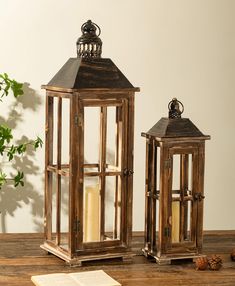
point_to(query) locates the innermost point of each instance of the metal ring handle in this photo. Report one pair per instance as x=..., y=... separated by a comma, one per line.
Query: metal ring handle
x=176, y=100
x=98, y=29
x=94, y=25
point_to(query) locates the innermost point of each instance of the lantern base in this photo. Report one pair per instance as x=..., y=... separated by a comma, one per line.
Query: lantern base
x=77, y=260
x=167, y=258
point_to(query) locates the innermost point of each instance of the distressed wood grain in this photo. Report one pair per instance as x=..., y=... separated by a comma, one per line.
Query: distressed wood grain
x=21, y=257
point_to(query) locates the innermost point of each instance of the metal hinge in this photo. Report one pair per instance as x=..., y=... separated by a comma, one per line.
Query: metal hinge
x=78, y=120
x=167, y=163
x=198, y=197
x=76, y=226
x=167, y=231
x=127, y=172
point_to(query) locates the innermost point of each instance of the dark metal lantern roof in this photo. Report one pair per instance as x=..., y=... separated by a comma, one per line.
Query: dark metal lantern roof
x=89, y=71
x=171, y=128
x=80, y=73
x=174, y=127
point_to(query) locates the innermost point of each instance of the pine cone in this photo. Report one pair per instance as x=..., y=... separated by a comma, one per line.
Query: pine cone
x=201, y=263
x=233, y=254
x=215, y=262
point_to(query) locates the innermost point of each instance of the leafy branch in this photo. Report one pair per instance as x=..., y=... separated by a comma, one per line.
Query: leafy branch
x=18, y=179
x=7, y=84
x=6, y=147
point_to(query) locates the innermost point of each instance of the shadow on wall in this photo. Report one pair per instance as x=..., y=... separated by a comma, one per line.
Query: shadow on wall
x=12, y=198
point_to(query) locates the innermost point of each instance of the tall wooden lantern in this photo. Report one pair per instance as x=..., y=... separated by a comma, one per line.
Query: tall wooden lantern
x=174, y=188
x=89, y=156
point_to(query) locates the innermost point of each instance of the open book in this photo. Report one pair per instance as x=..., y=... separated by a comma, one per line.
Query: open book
x=87, y=278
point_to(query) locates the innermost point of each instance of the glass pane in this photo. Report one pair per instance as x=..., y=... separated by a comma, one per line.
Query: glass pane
x=175, y=218
x=188, y=201
x=53, y=214
x=157, y=155
x=65, y=132
x=176, y=173
x=91, y=137
x=102, y=183
x=157, y=218
x=175, y=221
x=190, y=172
x=181, y=198
x=187, y=227
x=111, y=138
x=112, y=207
x=64, y=211
x=60, y=201
x=55, y=129
x=91, y=205
x=158, y=168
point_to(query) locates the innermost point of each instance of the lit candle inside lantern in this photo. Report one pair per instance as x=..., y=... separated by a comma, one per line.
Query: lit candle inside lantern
x=175, y=221
x=92, y=214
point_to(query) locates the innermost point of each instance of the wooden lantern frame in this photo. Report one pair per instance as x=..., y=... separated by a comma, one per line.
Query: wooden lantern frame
x=77, y=250
x=88, y=81
x=168, y=139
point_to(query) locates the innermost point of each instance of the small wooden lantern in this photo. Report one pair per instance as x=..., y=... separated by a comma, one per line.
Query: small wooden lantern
x=174, y=188
x=89, y=162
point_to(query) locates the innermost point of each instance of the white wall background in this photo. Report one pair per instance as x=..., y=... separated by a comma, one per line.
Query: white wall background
x=169, y=48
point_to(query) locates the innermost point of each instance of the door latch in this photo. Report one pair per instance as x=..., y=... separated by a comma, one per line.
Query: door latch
x=127, y=172
x=198, y=197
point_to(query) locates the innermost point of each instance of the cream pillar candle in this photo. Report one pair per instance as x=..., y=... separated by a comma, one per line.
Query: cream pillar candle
x=175, y=221
x=92, y=214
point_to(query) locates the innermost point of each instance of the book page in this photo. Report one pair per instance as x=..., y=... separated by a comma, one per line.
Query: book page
x=94, y=278
x=57, y=279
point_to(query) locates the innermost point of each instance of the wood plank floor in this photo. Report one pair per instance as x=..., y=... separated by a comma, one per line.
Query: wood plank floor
x=21, y=257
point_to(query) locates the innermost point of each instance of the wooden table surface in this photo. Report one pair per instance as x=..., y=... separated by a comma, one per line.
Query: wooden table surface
x=21, y=257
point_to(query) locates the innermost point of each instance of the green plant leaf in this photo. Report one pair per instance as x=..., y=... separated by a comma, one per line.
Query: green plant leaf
x=21, y=148
x=16, y=88
x=38, y=143
x=11, y=152
x=5, y=134
x=8, y=84
x=19, y=179
x=2, y=149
